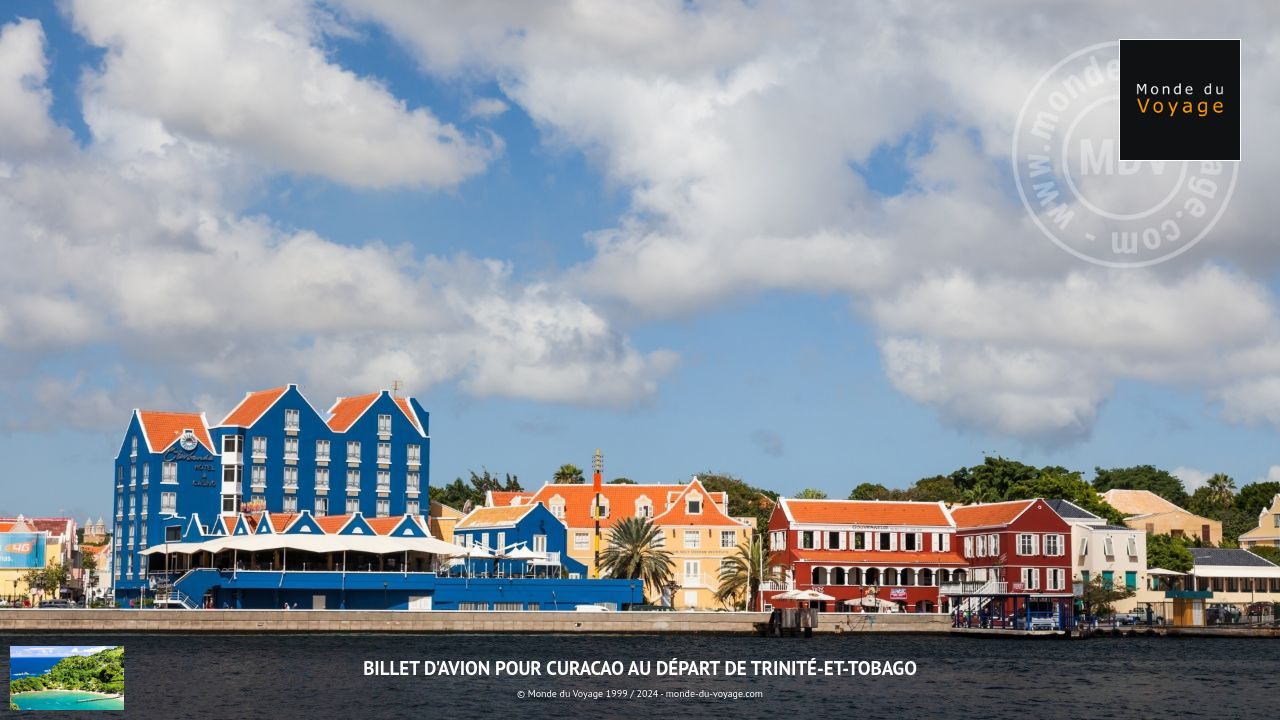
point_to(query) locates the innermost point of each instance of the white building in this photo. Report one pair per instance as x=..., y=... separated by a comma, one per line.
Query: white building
x=1116, y=553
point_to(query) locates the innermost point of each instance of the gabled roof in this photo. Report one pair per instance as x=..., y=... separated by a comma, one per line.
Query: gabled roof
x=677, y=513
x=1138, y=502
x=347, y=410
x=56, y=527
x=304, y=524
x=357, y=524
x=408, y=526
x=500, y=498
x=865, y=512
x=403, y=404
x=487, y=517
x=162, y=429
x=1228, y=556
x=578, y=499
x=989, y=514
x=1068, y=510
x=252, y=407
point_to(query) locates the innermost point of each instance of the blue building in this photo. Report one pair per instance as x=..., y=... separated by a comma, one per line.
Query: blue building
x=279, y=501
x=523, y=540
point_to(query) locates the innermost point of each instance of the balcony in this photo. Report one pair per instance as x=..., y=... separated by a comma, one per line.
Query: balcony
x=973, y=587
x=770, y=585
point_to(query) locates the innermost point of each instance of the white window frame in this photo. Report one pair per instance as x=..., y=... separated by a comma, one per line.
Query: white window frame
x=1027, y=545
x=322, y=506
x=411, y=507
x=322, y=450
x=259, y=446
x=382, y=508
x=384, y=424
x=696, y=575
x=581, y=541
x=413, y=481
x=968, y=546
x=353, y=475
x=168, y=503
x=290, y=477
x=353, y=506
x=169, y=473
x=353, y=451
x=728, y=539
x=291, y=503
x=291, y=419
x=322, y=479
x=414, y=454
x=291, y=448
x=384, y=452
x=384, y=481
x=695, y=536
x=1030, y=578
x=1053, y=545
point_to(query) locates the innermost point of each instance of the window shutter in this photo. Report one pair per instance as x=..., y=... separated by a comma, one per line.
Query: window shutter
x=1035, y=544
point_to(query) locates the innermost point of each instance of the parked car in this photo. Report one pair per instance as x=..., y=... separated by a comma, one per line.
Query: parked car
x=56, y=605
x=590, y=608
x=651, y=608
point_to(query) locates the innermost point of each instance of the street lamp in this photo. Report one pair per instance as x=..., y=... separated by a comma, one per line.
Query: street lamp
x=384, y=595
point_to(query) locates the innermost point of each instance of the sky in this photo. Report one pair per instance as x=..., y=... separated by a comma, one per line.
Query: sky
x=778, y=240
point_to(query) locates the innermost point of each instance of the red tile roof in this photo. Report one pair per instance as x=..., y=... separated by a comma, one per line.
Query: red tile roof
x=404, y=406
x=870, y=557
x=989, y=514
x=621, y=499
x=503, y=498
x=347, y=410
x=332, y=523
x=162, y=429
x=677, y=512
x=252, y=407
x=865, y=512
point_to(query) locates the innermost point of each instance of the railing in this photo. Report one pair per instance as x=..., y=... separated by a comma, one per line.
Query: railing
x=777, y=585
x=973, y=587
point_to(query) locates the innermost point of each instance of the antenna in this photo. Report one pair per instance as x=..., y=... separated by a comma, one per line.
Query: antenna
x=395, y=386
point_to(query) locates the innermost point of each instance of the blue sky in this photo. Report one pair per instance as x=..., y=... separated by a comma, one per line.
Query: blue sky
x=687, y=274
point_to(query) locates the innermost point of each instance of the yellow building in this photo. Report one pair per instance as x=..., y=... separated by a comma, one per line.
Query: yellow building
x=1267, y=534
x=441, y=519
x=1147, y=511
x=13, y=584
x=695, y=523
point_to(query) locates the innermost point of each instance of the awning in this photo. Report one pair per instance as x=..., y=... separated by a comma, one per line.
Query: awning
x=1162, y=571
x=375, y=544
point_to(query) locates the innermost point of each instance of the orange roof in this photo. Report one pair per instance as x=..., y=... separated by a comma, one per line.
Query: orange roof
x=347, y=410
x=677, y=512
x=162, y=429
x=403, y=404
x=252, y=407
x=865, y=512
x=5, y=526
x=281, y=520
x=621, y=499
x=989, y=514
x=489, y=516
x=501, y=498
x=384, y=525
x=868, y=557
x=332, y=523
x=94, y=549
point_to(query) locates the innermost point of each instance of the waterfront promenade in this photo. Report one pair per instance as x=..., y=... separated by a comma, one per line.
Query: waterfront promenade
x=390, y=621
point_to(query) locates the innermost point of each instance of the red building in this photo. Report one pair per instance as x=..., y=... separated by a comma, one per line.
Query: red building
x=1018, y=557
x=869, y=555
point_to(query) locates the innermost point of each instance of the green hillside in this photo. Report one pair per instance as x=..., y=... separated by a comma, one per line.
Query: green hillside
x=101, y=672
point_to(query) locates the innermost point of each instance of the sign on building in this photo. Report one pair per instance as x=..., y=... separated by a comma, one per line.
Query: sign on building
x=21, y=550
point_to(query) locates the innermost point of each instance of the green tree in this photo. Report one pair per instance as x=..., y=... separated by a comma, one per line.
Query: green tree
x=743, y=571
x=1056, y=483
x=460, y=492
x=811, y=494
x=636, y=552
x=1208, y=502
x=1168, y=552
x=1099, y=596
x=622, y=481
x=1256, y=497
x=871, y=491
x=1222, y=487
x=1267, y=552
x=569, y=474
x=744, y=500
x=938, y=488
x=1142, y=477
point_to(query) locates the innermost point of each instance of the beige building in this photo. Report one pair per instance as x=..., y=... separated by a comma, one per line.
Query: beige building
x=1116, y=553
x=1150, y=513
x=441, y=519
x=695, y=523
x=1225, y=586
x=1267, y=534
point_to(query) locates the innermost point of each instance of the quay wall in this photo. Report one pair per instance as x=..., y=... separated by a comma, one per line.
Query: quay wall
x=392, y=621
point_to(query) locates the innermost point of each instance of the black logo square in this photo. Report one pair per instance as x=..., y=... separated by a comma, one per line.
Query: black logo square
x=1179, y=99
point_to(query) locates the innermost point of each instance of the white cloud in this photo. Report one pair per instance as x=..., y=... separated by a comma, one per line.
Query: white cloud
x=253, y=76
x=486, y=108
x=1192, y=479
x=24, y=101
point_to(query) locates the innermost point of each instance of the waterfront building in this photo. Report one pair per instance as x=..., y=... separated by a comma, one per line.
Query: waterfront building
x=1267, y=534
x=1152, y=514
x=97, y=585
x=34, y=543
x=1116, y=553
x=521, y=540
x=442, y=519
x=1224, y=586
x=868, y=555
x=696, y=527
x=268, y=560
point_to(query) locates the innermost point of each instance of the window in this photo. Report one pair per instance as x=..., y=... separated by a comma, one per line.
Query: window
x=259, y=446
x=291, y=448
x=169, y=473
x=322, y=479
x=353, y=480
x=259, y=476
x=968, y=546
x=1053, y=545
x=692, y=571
x=911, y=541
x=119, y=506
x=581, y=541
x=692, y=539
x=146, y=475
x=384, y=452
x=728, y=539
x=1108, y=579
x=133, y=474
x=859, y=541
x=232, y=443
x=886, y=541
x=228, y=503
x=644, y=507
x=353, y=506
x=168, y=503
x=1131, y=579
x=806, y=539
x=144, y=506
x=778, y=540
x=411, y=507
x=946, y=542
x=290, y=419
x=1027, y=544
x=415, y=454
x=1084, y=545
x=291, y=503
x=353, y=451
x=693, y=505
x=833, y=540
x=383, y=508
x=539, y=543
x=981, y=546
x=1030, y=578
x=557, y=509
x=993, y=545
x=384, y=424
x=603, y=509
x=322, y=450
x=1108, y=547
x=322, y=506
x=119, y=475
x=1131, y=547
x=413, y=481
x=290, y=477
x=133, y=447
x=1057, y=579
x=384, y=481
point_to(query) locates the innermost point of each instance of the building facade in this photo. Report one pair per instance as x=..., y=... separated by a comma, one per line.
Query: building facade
x=696, y=528
x=865, y=553
x=36, y=543
x=1267, y=534
x=523, y=540
x=369, y=454
x=1020, y=543
x=1152, y=514
x=1115, y=553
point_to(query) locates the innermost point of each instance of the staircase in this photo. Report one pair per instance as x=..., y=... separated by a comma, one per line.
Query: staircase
x=173, y=598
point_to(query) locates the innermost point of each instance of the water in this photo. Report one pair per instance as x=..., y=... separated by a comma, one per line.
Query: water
x=67, y=700
x=23, y=666
x=321, y=676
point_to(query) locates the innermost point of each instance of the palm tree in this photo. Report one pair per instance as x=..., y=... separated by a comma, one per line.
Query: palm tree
x=980, y=493
x=569, y=474
x=1222, y=487
x=635, y=553
x=744, y=570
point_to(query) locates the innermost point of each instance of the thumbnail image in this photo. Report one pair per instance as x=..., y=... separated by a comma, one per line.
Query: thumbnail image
x=66, y=677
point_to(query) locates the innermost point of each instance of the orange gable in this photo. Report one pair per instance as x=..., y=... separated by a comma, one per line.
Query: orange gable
x=162, y=429
x=346, y=411
x=989, y=514
x=252, y=407
x=677, y=513
x=504, y=498
x=332, y=523
x=866, y=512
x=622, y=503
x=403, y=404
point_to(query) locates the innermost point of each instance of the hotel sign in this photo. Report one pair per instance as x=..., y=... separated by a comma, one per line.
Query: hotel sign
x=897, y=593
x=21, y=550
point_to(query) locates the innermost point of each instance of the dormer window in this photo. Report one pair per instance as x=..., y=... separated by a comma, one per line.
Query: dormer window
x=557, y=506
x=602, y=510
x=644, y=507
x=693, y=505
